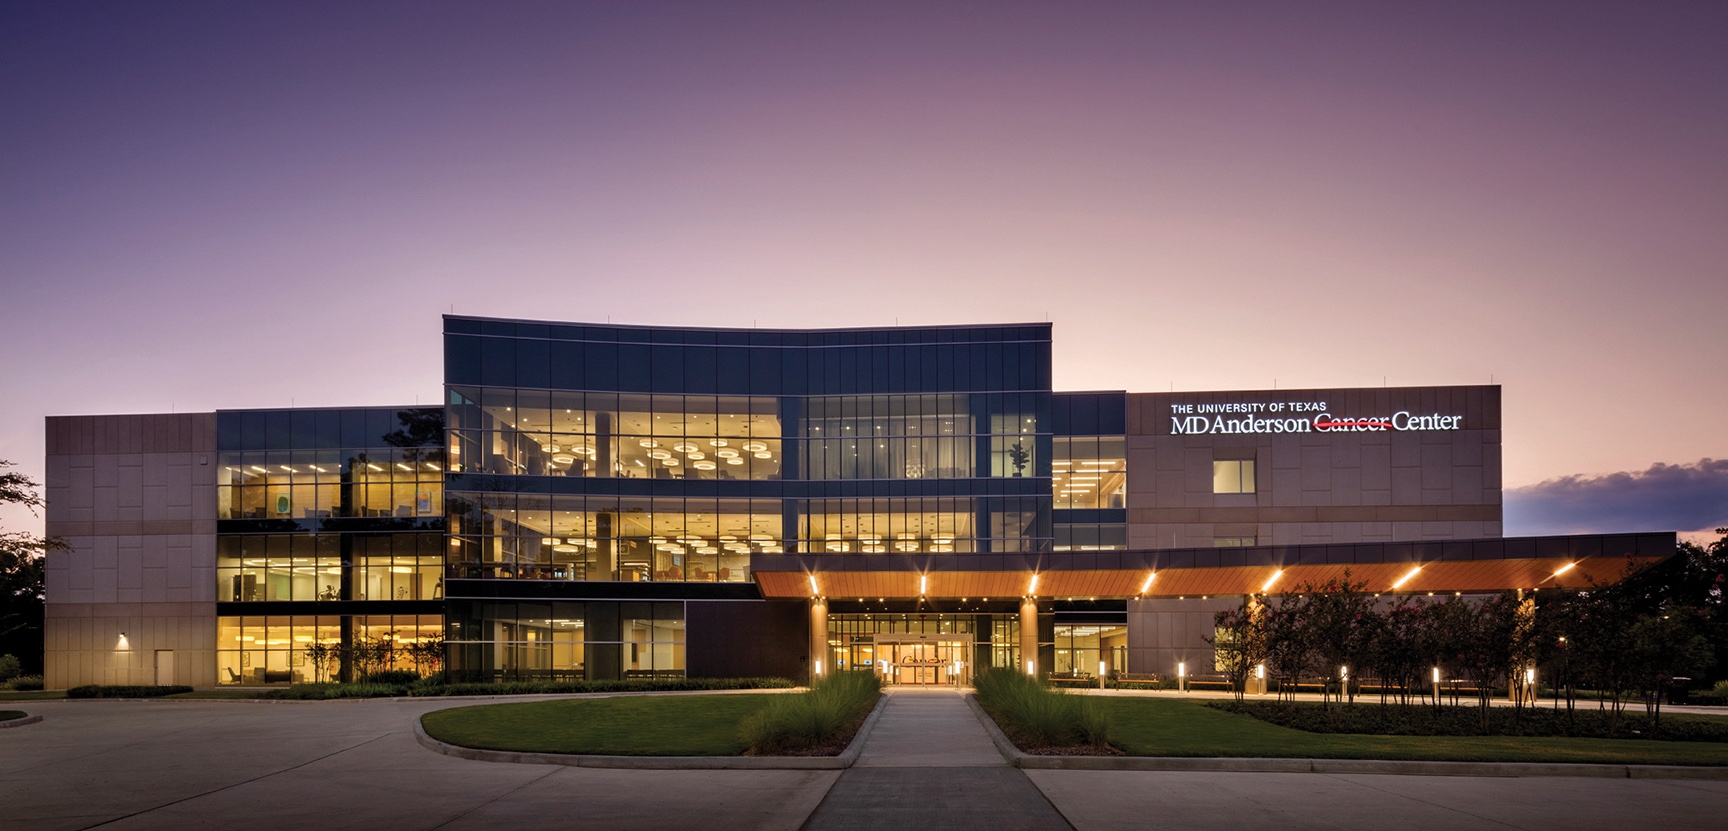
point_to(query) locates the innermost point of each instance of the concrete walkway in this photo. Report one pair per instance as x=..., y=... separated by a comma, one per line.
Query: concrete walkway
x=930, y=764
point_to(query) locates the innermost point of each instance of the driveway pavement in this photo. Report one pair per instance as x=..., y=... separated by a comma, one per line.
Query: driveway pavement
x=347, y=764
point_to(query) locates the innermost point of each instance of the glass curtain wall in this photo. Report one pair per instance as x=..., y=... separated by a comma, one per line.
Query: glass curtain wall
x=310, y=567
x=282, y=649
x=566, y=640
x=607, y=435
x=1080, y=649
x=555, y=537
x=1089, y=472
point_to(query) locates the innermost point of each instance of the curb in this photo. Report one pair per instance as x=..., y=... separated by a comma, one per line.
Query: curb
x=19, y=722
x=1225, y=764
x=844, y=760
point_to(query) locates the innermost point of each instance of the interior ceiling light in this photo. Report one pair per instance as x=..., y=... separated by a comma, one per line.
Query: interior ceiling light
x=763, y=454
x=684, y=447
x=755, y=446
x=704, y=465
x=563, y=459
x=717, y=442
x=727, y=453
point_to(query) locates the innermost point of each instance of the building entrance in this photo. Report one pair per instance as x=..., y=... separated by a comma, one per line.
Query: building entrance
x=924, y=660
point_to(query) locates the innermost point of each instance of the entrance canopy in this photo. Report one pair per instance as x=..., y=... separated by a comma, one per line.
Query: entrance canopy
x=1405, y=567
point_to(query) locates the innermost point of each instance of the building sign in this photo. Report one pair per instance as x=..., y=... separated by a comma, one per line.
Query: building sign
x=1296, y=417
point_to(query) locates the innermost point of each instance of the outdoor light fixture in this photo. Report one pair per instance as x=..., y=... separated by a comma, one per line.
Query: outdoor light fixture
x=818, y=667
x=923, y=584
x=1530, y=675
x=1260, y=671
x=1147, y=586
x=1181, y=669
x=1406, y=578
x=1436, y=676
x=1029, y=670
x=1032, y=589
x=1563, y=569
x=814, y=590
x=1344, y=673
x=1103, y=669
x=1271, y=580
x=123, y=645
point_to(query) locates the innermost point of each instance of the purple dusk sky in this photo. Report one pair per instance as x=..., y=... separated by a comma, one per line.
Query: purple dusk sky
x=258, y=205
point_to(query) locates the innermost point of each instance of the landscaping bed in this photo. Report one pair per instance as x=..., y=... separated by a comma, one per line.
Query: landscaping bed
x=821, y=722
x=1172, y=727
x=124, y=691
x=434, y=687
x=1043, y=721
x=705, y=725
x=1418, y=720
x=8, y=715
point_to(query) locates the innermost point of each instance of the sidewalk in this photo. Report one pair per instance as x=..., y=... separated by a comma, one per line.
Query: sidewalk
x=929, y=764
x=1374, y=698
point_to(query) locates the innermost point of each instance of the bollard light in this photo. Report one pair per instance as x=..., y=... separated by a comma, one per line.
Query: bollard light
x=1260, y=671
x=1029, y=670
x=1436, y=675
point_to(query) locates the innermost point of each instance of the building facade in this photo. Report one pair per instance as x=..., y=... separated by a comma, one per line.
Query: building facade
x=642, y=502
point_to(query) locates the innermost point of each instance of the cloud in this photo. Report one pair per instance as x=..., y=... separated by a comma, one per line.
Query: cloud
x=1664, y=498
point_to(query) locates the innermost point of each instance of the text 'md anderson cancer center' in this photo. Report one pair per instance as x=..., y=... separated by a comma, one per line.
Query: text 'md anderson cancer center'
x=606, y=502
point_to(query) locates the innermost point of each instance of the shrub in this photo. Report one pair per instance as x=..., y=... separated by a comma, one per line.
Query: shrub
x=10, y=667
x=323, y=692
x=124, y=691
x=399, y=677
x=548, y=687
x=1453, y=721
x=25, y=682
x=806, y=721
x=1037, y=716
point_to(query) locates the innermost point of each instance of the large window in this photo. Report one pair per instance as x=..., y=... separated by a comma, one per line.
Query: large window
x=566, y=640
x=1233, y=476
x=888, y=437
x=320, y=484
x=553, y=537
x=938, y=525
x=540, y=433
x=1090, y=472
x=282, y=649
x=1080, y=650
x=309, y=567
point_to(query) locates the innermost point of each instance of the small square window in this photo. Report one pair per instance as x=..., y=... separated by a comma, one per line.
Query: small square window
x=1232, y=542
x=1233, y=476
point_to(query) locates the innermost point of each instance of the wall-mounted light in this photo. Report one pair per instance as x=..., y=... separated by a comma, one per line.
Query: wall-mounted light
x=1406, y=578
x=1032, y=588
x=122, y=645
x=815, y=591
x=1270, y=580
x=1147, y=586
x=923, y=585
x=1563, y=569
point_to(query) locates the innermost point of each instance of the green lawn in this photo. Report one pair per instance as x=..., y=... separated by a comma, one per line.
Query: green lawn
x=1169, y=727
x=684, y=725
x=8, y=715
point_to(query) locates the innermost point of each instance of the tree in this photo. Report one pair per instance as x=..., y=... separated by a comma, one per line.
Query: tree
x=22, y=608
x=1289, y=652
x=1240, y=641
x=1667, y=643
x=1336, y=615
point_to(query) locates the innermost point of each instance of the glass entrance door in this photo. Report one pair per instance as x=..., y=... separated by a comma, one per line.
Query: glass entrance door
x=924, y=663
